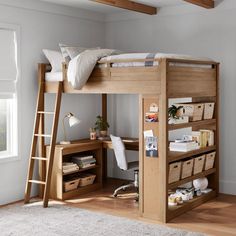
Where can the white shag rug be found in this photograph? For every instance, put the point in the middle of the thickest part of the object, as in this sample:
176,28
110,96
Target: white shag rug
63,220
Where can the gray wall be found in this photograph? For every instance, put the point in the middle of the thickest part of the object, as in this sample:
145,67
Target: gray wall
44,26
186,29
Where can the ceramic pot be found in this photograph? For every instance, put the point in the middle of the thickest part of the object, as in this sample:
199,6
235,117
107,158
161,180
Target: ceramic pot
103,133
93,135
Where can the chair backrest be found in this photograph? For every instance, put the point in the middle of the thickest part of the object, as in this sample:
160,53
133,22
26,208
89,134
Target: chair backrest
119,149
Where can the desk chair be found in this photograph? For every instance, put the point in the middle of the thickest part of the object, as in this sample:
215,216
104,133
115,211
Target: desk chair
119,149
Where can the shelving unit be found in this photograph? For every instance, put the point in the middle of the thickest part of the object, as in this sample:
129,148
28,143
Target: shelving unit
201,84
64,153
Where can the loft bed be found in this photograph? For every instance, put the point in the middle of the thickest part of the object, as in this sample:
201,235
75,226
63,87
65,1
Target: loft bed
143,80
168,78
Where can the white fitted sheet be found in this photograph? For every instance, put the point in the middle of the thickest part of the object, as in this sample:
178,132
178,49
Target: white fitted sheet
54,76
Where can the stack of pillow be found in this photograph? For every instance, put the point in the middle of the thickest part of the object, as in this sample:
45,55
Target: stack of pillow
67,53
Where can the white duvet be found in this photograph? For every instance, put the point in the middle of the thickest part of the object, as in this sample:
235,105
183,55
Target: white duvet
81,67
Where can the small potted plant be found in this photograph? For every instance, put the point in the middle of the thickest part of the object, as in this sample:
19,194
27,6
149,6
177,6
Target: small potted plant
101,125
173,115
93,134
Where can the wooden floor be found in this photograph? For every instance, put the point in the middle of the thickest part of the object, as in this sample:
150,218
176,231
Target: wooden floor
217,217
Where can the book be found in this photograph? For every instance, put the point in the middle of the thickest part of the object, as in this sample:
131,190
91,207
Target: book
184,146
82,157
87,165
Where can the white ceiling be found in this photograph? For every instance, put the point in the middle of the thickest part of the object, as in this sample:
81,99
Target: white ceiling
89,5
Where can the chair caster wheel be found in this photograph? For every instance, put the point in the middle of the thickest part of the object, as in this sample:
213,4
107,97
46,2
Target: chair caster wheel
114,195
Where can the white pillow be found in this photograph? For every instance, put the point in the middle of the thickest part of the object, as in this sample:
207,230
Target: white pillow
55,58
70,52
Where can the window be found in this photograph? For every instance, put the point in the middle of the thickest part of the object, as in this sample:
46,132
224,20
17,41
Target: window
9,76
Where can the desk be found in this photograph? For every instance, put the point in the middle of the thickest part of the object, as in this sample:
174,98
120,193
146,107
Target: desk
130,144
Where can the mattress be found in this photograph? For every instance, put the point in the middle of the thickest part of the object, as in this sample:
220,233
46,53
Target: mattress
58,76
54,76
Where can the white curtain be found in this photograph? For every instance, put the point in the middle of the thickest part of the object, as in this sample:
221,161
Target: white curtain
8,60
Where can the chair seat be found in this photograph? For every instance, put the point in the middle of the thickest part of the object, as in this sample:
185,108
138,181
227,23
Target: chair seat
133,165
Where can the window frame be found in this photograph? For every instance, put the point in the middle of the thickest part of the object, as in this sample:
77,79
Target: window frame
14,141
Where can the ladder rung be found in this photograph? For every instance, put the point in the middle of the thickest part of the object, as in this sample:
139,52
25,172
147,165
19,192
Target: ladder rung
37,182
46,112
43,135
39,158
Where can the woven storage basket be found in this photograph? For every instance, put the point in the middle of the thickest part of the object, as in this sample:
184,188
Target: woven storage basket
86,179
198,164
174,172
187,169
208,110
210,159
71,184
193,110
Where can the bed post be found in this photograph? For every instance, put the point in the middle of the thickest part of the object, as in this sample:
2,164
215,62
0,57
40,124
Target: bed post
104,153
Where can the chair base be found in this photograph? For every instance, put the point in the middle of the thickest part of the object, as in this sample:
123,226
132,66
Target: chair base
130,185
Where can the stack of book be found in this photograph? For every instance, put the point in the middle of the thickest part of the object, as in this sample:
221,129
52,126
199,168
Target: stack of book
84,161
68,167
204,137
183,146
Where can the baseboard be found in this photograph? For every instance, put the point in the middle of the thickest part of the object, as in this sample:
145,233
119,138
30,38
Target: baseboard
228,187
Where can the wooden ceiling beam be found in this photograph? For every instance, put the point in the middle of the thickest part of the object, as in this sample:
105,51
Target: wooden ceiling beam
130,5
203,3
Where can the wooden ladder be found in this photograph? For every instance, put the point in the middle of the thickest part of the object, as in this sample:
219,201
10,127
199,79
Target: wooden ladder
39,134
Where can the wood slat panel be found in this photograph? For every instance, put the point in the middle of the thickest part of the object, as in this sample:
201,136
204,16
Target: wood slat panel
135,73
188,88
191,73
109,87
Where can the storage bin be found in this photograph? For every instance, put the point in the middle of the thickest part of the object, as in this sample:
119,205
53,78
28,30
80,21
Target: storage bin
71,184
193,110
208,110
198,164
210,159
86,179
174,172
187,169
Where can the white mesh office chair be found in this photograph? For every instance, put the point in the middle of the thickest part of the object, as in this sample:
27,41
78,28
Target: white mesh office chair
119,149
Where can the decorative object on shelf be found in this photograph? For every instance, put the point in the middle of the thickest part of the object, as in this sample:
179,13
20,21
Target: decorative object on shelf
208,110
200,184
151,117
101,125
73,121
174,172
174,117
93,134
210,159
193,110
187,169
151,146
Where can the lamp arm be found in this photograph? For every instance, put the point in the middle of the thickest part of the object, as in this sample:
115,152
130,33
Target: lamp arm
64,129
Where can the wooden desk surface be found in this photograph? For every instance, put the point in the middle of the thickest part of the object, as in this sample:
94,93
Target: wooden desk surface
130,144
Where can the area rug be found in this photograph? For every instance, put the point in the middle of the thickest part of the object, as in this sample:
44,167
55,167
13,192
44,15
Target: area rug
63,220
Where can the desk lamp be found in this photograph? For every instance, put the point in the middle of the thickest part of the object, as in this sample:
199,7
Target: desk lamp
73,121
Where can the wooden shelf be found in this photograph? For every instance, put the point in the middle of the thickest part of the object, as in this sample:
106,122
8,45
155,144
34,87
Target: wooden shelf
174,211
177,156
191,178
82,170
192,124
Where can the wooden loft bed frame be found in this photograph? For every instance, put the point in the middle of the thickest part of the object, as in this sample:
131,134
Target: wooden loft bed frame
139,80
172,78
